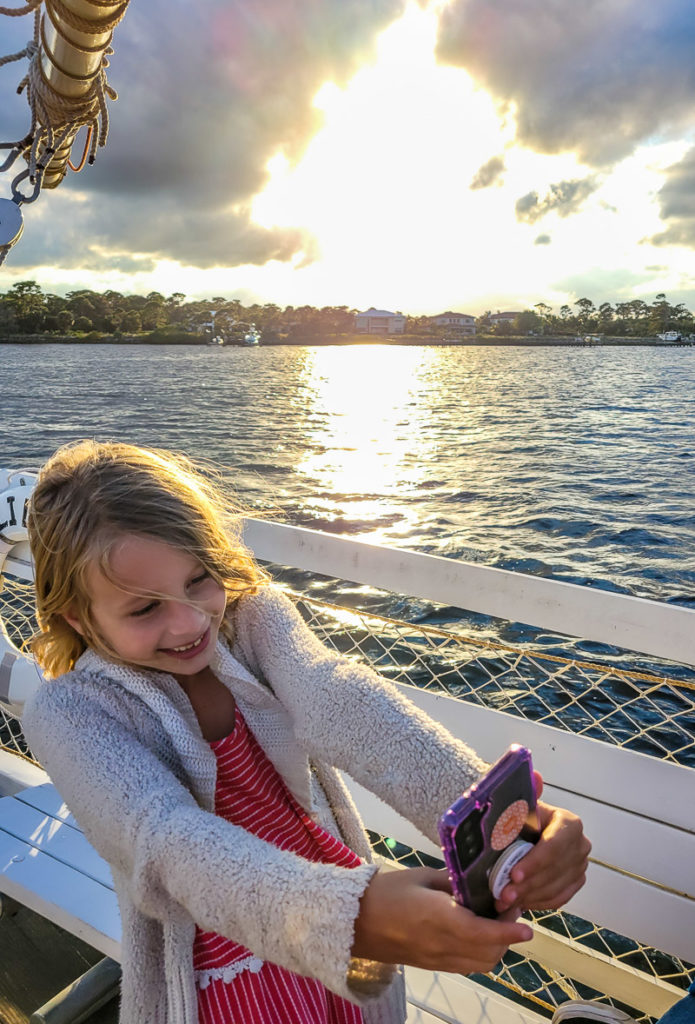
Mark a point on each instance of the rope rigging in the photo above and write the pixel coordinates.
(66, 89)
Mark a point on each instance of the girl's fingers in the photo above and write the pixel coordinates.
(409, 917)
(538, 781)
(492, 938)
(548, 889)
(439, 879)
(555, 869)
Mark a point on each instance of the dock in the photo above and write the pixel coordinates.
(38, 960)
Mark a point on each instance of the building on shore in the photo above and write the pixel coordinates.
(379, 321)
(457, 324)
(503, 318)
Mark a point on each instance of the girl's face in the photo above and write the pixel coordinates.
(166, 634)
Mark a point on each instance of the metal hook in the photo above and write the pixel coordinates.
(11, 226)
(10, 159)
(17, 196)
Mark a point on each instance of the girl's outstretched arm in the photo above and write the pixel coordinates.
(408, 916)
(168, 853)
(347, 714)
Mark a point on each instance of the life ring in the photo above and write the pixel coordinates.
(19, 675)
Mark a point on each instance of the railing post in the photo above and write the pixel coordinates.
(83, 997)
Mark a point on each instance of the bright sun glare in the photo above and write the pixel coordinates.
(390, 169)
(383, 190)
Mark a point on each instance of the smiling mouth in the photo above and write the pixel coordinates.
(189, 648)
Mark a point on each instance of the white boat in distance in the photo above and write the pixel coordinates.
(613, 744)
(246, 334)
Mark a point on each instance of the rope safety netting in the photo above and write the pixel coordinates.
(56, 116)
(653, 713)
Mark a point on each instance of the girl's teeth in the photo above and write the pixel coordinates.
(188, 646)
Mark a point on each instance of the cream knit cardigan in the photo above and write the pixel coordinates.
(124, 748)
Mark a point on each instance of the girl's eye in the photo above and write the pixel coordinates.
(144, 611)
(200, 578)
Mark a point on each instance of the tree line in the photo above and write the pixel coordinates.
(26, 309)
(636, 318)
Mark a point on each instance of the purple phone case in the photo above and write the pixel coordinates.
(479, 826)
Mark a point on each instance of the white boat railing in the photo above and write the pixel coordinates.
(634, 624)
(490, 693)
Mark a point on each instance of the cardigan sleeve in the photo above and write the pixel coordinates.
(148, 826)
(345, 713)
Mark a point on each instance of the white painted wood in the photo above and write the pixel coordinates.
(630, 907)
(635, 844)
(46, 798)
(458, 1000)
(645, 785)
(16, 773)
(650, 627)
(603, 973)
(53, 837)
(74, 902)
(416, 1015)
(18, 562)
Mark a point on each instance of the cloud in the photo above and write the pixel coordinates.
(106, 235)
(677, 199)
(489, 173)
(207, 95)
(594, 78)
(605, 284)
(543, 240)
(564, 198)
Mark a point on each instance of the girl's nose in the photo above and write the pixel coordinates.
(185, 620)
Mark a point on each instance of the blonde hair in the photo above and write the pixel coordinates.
(90, 493)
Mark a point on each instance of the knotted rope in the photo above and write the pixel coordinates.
(17, 12)
(55, 118)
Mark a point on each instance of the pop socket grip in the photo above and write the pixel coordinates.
(501, 872)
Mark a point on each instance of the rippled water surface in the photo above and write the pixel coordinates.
(577, 464)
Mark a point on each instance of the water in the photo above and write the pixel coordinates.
(569, 463)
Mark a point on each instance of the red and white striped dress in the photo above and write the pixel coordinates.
(234, 986)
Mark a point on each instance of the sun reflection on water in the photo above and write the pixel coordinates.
(364, 436)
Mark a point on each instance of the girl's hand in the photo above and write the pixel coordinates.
(409, 917)
(555, 869)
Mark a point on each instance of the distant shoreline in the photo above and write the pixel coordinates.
(349, 339)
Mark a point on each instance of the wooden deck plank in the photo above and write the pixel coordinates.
(37, 960)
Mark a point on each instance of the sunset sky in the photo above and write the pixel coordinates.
(470, 155)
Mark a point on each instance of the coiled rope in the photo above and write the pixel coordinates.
(55, 118)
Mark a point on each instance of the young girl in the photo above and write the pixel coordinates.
(194, 724)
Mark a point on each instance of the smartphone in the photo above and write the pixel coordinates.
(489, 829)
